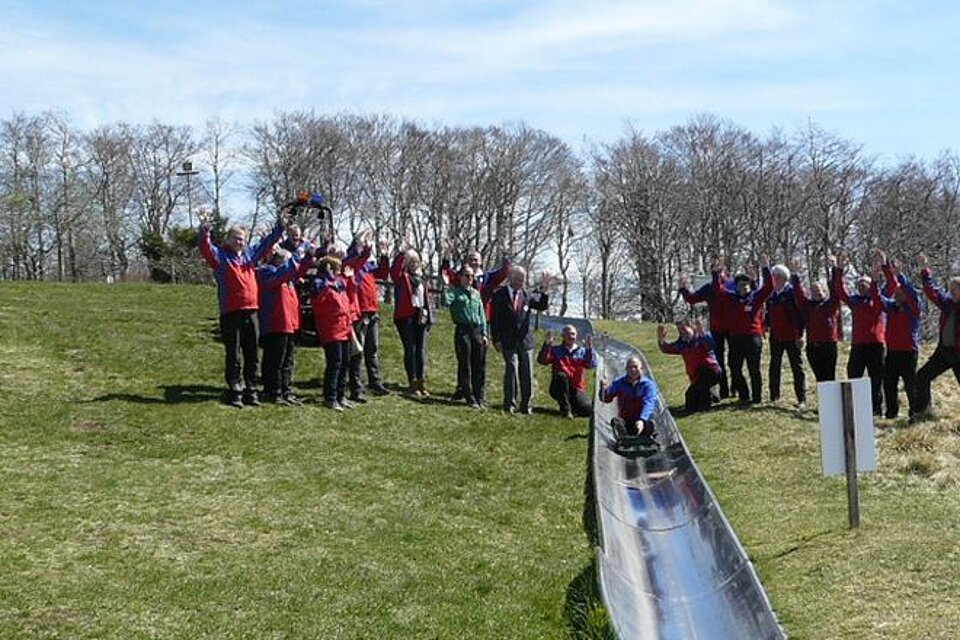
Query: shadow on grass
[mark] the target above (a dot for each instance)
(172, 394)
(587, 618)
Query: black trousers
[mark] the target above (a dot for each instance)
(335, 373)
(792, 349)
(697, 396)
(721, 340)
(413, 336)
(471, 352)
(278, 361)
(571, 399)
(899, 365)
(822, 357)
(367, 329)
(869, 358)
(746, 349)
(942, 359)
(240, 331)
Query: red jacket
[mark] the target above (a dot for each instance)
(717, 306)
(746, 312)
(868, 318)
(696, 353)
(403, 290)
(366, 274)
(235, 273)
(903, 320)
(572, 362)
(819, 317)
(331, 310)
(786, 323)
(279, 302)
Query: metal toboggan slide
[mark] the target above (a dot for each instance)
(670, 565)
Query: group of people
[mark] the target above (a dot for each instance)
(885, 342)
(258, 290)
(260, 306)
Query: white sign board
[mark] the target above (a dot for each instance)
(832, 455)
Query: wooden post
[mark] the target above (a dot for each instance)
(850, 453)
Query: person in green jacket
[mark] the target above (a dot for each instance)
(469, 339)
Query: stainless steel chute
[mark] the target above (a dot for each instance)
(670, 565)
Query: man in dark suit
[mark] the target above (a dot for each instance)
(512, 337)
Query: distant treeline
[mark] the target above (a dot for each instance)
(619, 221)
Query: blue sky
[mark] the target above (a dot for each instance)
(880, 73)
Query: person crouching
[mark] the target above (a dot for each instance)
(570, 362)
(695, 346)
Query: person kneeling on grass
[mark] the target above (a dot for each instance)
(636, 396)
(570, 362)
(695, 346)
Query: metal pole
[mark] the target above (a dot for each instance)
(850, 454)
(187, 172)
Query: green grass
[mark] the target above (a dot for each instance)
(135, 505)
(898, 576)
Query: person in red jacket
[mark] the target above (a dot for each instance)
(901, 303)
(332, 314)
(947, 354)
(719, 329)
(786, 334)
(700, 361)
(569, 362)
(279, 323)
(366, 272)
(234, 268)
(746, 331)
(413, 312)
(866, 348)
(820, 319)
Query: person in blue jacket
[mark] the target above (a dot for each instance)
(636, 395)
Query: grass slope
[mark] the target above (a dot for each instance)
(898, 576)
(135, 505)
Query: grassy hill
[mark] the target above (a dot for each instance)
(135, 505)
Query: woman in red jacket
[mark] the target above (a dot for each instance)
(820, 314)
(869, 325)
(332, 313)
(279, 323)
(412, 313)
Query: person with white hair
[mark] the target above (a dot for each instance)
(512, 338)
(786, 334)
(234, 266)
